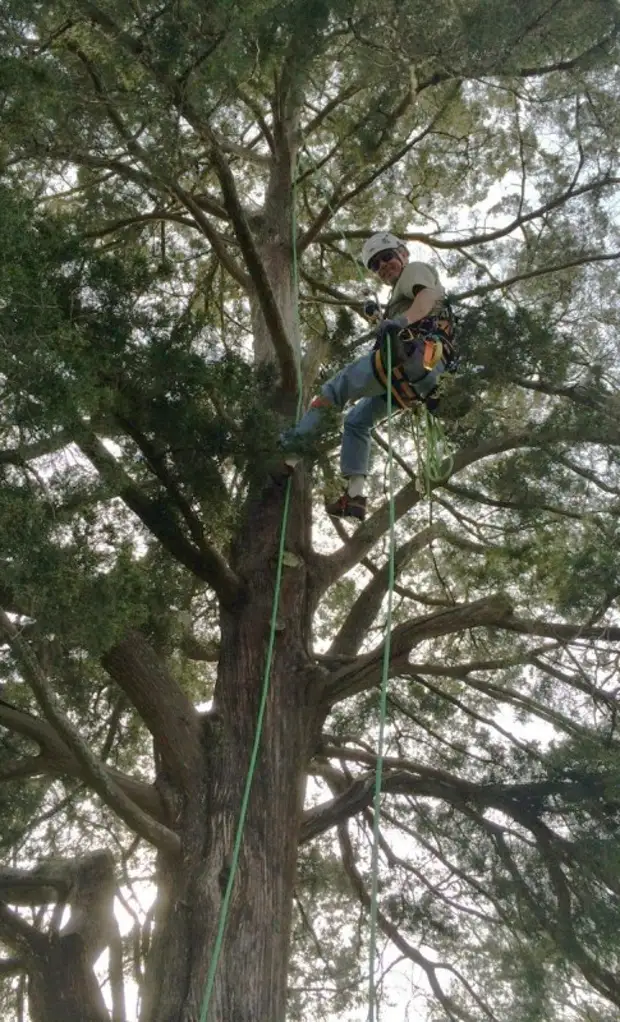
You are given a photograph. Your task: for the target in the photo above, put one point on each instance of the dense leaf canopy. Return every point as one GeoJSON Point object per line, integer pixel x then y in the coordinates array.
{"type": "Point", "coordinates": [159, 163]}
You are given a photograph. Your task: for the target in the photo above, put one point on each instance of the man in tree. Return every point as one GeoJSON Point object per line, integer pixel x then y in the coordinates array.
{"type": "Point", "coordinates": [155, 256]}
{"type": "Point", "coordinates": [418, 326]}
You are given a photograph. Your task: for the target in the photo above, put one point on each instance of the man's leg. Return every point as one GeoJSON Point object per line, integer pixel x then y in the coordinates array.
{"type": "Point", "coordinates": [354, 381]}
{"type": "Point", "coordinates": [355, 451]}
{"type": "Point", "coordinates": [355, 455]}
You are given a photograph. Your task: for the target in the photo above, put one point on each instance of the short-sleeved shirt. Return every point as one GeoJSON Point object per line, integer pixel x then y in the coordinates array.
{"type": "Point", "coordinates": [413, 278]}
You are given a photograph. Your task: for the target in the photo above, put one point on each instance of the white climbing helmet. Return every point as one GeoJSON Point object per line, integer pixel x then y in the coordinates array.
{"type": "Point", "coordinates": [379, 243]}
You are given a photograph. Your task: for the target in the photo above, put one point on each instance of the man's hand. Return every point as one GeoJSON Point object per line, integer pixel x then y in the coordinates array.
{"type": "Point", "coordinates": [389, 326]}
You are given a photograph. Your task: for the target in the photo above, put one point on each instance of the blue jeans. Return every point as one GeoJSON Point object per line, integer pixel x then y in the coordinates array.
{"type": "Point", "coordinates": [356, 380]}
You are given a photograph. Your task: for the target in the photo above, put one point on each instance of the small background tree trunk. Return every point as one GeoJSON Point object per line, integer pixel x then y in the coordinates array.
{"type": "Point", "coordinates": [63, 986]}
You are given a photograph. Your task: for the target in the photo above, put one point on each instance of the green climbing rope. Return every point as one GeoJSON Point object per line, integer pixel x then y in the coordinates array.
{"type": "Point", "coordinates": [224, 909]}
{"type": "Point", "coordinates": [434, 464]}
{"type": "Point", "coordinates": [372, 993]}
{"type": "Point", "coordinates": [434, 468]}
{"type": "Point", "coordinates": [374, 867]}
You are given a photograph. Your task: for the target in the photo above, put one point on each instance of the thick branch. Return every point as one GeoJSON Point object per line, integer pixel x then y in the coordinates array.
{"type": "Point", "coordinates": [560, 630]}
{"type": "Point", "coordinates": [156, 216]}
{"type": "Point", "coordinates": [20, 769]}
{"type": "Point", "coordinates": [360, 544]}
{"type": "Point", "coordinates": [11, 966]}
{"type": "Point", "coordinates": [404, 777]}
{"type": "Point", "coordinates": [256, 109]}
{"type": "Point", "coordinates": [273, 317]}
{"type": "Point", "coordinates": [57, 760]}
{"type": "Point", "coordinates": [340, 199]}
{"type": "Point", "coordinates": [453, 1011]}
{"type": "Point", "coordinates": [283, 345]}
{"type": "Point", "coordinates": [47, 883]}
{"type": "Point", "coordinates": [495, 235]}
{"type": "Point", "coordinates": [87, 884]}
{"type": "Point", "coordinates": [336, 101]}
{"type": "Point", "coordinates": [145, 158]}
{"type": "Point", "coordinates": [21, 455]}
{"type": "Point", "coordinates": [499, 285]}
{"type": "Point", "coordinates": [580, 62]}
{"type": "Point", "coordinates": [161, 703]}
{"type": "Point", "coordinates": [365, 671]}
{"type": "Point", "coordinates": [367, 605]}
{"type": "Point", "coordinates": [332, 567]}
{"type": "Point", "coordinates": [157, 464]}
{"type": "Point", "coordinates": [17, 933]}
{"type": "Point", "coordinates": [96, 773]}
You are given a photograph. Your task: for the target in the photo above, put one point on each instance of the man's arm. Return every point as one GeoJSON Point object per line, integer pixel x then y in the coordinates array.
{"type": "Point", "coordinates": [422, 305]}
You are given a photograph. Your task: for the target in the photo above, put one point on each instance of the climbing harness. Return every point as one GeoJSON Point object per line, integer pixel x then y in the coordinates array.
{"type": "Point", "coordinates": [426, 349]}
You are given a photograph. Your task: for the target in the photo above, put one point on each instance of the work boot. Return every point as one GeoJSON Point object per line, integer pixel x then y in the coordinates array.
{"type": "Point", "coordinates": [347, 507]}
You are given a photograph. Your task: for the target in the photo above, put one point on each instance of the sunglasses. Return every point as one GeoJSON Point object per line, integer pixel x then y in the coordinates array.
{"type": "Point", "coordinates": [382, 257]}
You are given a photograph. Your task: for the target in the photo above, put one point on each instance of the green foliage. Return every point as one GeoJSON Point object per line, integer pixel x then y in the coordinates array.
{"type": "Point", "coordinates": [130, 370]}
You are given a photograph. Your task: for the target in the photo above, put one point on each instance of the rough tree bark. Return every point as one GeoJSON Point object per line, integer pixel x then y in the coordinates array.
{"type": "Point", "coordinates": [62, 984]}
{"type": "Point", "coordinates": [257, 934]}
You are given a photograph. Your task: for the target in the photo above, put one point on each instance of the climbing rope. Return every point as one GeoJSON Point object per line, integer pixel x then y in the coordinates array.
{"type": "Point", "coordinates": [374, 862]}
{"type": "Point", "coordinates": [374, 866]}
{"type": "Point", "coordinates": [434, 464]}
{"type": "Point", "coordinates": [431, 469]}
{"type": "Point", "coordinates": [225, 906]}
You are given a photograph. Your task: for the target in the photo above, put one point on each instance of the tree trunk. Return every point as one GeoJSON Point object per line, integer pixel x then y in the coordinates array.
{"type": "Point", "coordinates": [251, 979]}
{"type": "Point", "coordinates": [274, 238]}
{"type": "Point", "coordinates": [62, 985]}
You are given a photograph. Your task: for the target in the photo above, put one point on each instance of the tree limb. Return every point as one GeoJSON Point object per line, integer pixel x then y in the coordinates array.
{"type": "Point", "coordinates": [270, 309]}
{"type": "Point", "coordinates": [482, 239]}
{"type": "Point", "coordinates": [48, 882]}
{"type": "Point", "coordinates": [18, 934]}
{"type": "Point", "coordinates": [271, 312]}
{"type": "Point", "coordinates": [365, 671]}
{"type": "Point", "coordinates": [580, 62]}
{"type": "Point", "coordinates": [96, 773]}
{"type": "Point", "coordinates": [484, 289]}
{"type": "Point", "coordinates": [57, 760]}
{"type": "Point", "coordinates": [259, 116]}
{"type": "Point", "coordinates": [158, 173]}
{"type": "Point", "coordinates": [20, 769]}
{"type": "Point", "coordinates": [363, 611]}
{"type": "Point", "coordinates": [405, 777]}
{"type": "Point", "coordinates": [206, 562]}
{"type": "Point", "coordinates": [560, 630]}
{"type": "Point", "coordinates": [333, 566]}
{"type": "Point", "coordinates": [157, 464]}
{"type": "Point", "coordinates": [348, 92]}
{"type": "Point", "coordinates": [27, 452]}
{"type": "Point", "coordinates": [161, 703]}
{"type": "Point", "coordinates": [11, 966]}
{"type": "Point", "coordinates": [452, 1010]}
{"type": "Point", "coordinates": [340, 199]}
